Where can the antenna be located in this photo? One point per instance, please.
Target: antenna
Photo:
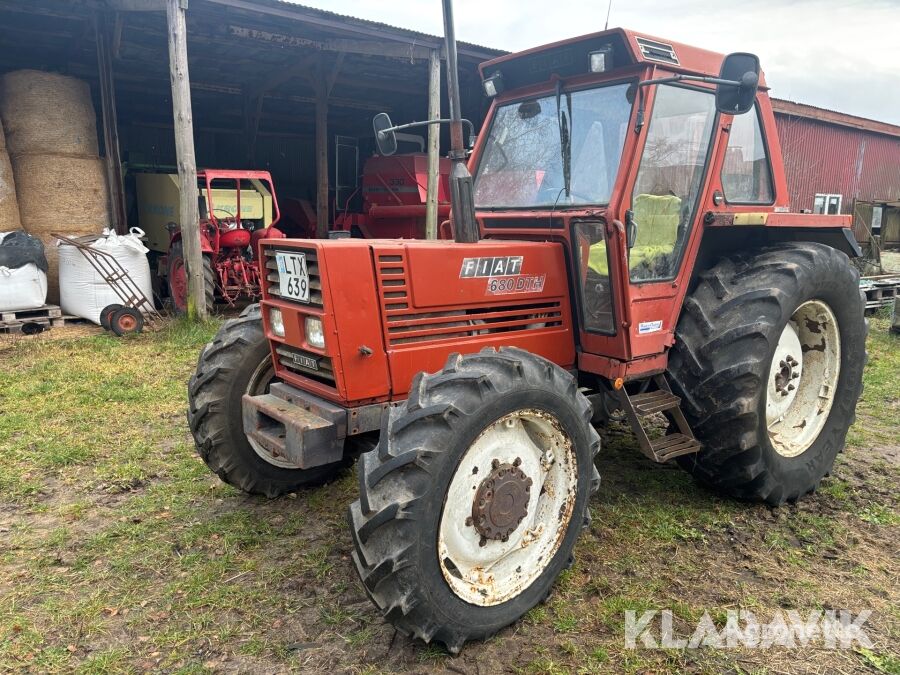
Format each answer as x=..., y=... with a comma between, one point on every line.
x=608, y=10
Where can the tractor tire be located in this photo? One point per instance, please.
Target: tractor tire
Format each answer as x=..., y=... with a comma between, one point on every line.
x=768, y=362
x=426, y=495
x=236, y=362
x=177, y=279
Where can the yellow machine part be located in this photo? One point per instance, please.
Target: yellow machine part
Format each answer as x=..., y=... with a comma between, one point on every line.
x=158, y=203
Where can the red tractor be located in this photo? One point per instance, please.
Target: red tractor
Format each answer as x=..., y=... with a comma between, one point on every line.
x=625, y=247
x=237, y=209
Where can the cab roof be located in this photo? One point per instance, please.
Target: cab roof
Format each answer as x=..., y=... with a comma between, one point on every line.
x=570, y=57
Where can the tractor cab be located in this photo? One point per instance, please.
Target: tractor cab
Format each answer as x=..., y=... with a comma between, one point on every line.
x=607, y=143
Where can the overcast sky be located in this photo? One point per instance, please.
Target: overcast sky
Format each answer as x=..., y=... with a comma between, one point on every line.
x=837, y=54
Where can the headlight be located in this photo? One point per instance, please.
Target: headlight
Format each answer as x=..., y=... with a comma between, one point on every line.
x=493, y=85
x=601, y=60
x=315, y=334
x=276, y=320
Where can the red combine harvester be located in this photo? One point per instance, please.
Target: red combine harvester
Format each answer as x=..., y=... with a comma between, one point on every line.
x=394, y=191
x=237, y=209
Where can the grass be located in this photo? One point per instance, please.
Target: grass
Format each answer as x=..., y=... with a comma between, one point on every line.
x=119, y=551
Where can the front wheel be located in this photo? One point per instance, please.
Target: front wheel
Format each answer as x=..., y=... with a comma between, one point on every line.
x=471, y=504
x=768, y=362
x=237, y=362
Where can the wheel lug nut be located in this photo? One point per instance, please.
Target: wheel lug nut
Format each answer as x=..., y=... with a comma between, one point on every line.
x=517, y=461
x=791, y=387
x=784, y=393
x=469, y=521
x=782, y=364
x=495, y=463
x=794, y=376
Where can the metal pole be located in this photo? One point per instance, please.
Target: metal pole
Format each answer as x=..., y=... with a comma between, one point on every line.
x=462, y=202
x=189, y=215
x=434, y=143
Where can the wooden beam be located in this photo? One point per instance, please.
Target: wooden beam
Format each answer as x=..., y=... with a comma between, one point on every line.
x=110, y=126
x=354, y=26
x=434, y=145
x=185, y=158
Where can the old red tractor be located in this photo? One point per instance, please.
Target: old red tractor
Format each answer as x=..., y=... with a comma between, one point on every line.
x=237, y=209
x=607, y=260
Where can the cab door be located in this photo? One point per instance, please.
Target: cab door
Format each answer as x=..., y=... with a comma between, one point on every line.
x=660, y=210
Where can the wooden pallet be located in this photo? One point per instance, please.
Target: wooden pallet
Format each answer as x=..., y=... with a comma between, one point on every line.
x=47, y=316
x=881, y=291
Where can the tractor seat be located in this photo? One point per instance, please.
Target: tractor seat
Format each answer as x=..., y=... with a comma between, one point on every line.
x=657, y=218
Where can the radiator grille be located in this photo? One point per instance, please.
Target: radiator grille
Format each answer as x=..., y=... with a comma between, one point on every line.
x=312, y=266
x=407, y=325
x=301, y=362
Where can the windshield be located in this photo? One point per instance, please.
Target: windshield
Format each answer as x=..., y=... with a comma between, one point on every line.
x=522, y=165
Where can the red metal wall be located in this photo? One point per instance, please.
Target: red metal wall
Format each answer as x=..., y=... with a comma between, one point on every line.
x=823, y=157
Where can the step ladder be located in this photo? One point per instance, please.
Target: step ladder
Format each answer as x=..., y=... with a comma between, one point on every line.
x=662, y=400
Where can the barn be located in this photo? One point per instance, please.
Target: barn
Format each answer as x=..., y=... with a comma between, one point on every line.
x=839, y=163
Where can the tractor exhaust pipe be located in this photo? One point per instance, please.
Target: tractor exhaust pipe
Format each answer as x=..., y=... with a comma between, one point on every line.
x=462, y=187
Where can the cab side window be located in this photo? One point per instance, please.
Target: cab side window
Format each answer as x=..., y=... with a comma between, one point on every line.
x=669, y=180
x=746, y=176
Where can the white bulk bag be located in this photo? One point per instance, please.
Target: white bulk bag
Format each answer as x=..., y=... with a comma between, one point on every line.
x=83, y=292
x=22, y=287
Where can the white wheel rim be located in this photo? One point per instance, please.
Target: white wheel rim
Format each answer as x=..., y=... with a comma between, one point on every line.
x=259, y=384
x=488, y=571
x=803, y=378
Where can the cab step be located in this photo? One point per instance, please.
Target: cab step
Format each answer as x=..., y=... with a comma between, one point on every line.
x=658, y=400
x=673, y=445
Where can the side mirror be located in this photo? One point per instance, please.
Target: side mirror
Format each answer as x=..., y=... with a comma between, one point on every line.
x=735, y=99
x=385, y=137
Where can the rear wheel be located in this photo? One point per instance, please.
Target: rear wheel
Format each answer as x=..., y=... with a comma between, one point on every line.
x=238, y=362
x=471, y=504
x=178, y=289
x=768, y=361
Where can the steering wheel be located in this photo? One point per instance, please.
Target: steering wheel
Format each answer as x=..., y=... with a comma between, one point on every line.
x=230, y=221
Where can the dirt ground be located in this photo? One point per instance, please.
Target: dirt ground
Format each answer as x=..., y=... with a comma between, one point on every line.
x=119, y=552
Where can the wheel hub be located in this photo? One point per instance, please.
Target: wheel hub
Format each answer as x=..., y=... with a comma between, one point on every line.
x=803, y=378
x=501, y=501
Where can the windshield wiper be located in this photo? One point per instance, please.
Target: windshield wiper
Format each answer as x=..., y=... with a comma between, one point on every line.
x=565, y=136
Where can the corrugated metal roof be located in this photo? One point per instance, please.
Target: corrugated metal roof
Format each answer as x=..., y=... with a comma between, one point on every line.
x=382, y=30
x=806, y=111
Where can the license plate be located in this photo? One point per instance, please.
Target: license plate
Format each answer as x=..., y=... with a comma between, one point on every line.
x=293, y=277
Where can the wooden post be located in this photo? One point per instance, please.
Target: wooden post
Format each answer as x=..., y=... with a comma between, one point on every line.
x=321, y=159
x=110, y=127
x=189, y=216
x=323, y=83
x=434, y=145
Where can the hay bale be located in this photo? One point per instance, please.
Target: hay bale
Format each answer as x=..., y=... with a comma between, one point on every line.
x=47, y=113
x=67, y=195
x=9, y=206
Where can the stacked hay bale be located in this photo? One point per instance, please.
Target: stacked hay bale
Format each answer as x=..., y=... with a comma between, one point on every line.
x=51, y=136
x=9, y=207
